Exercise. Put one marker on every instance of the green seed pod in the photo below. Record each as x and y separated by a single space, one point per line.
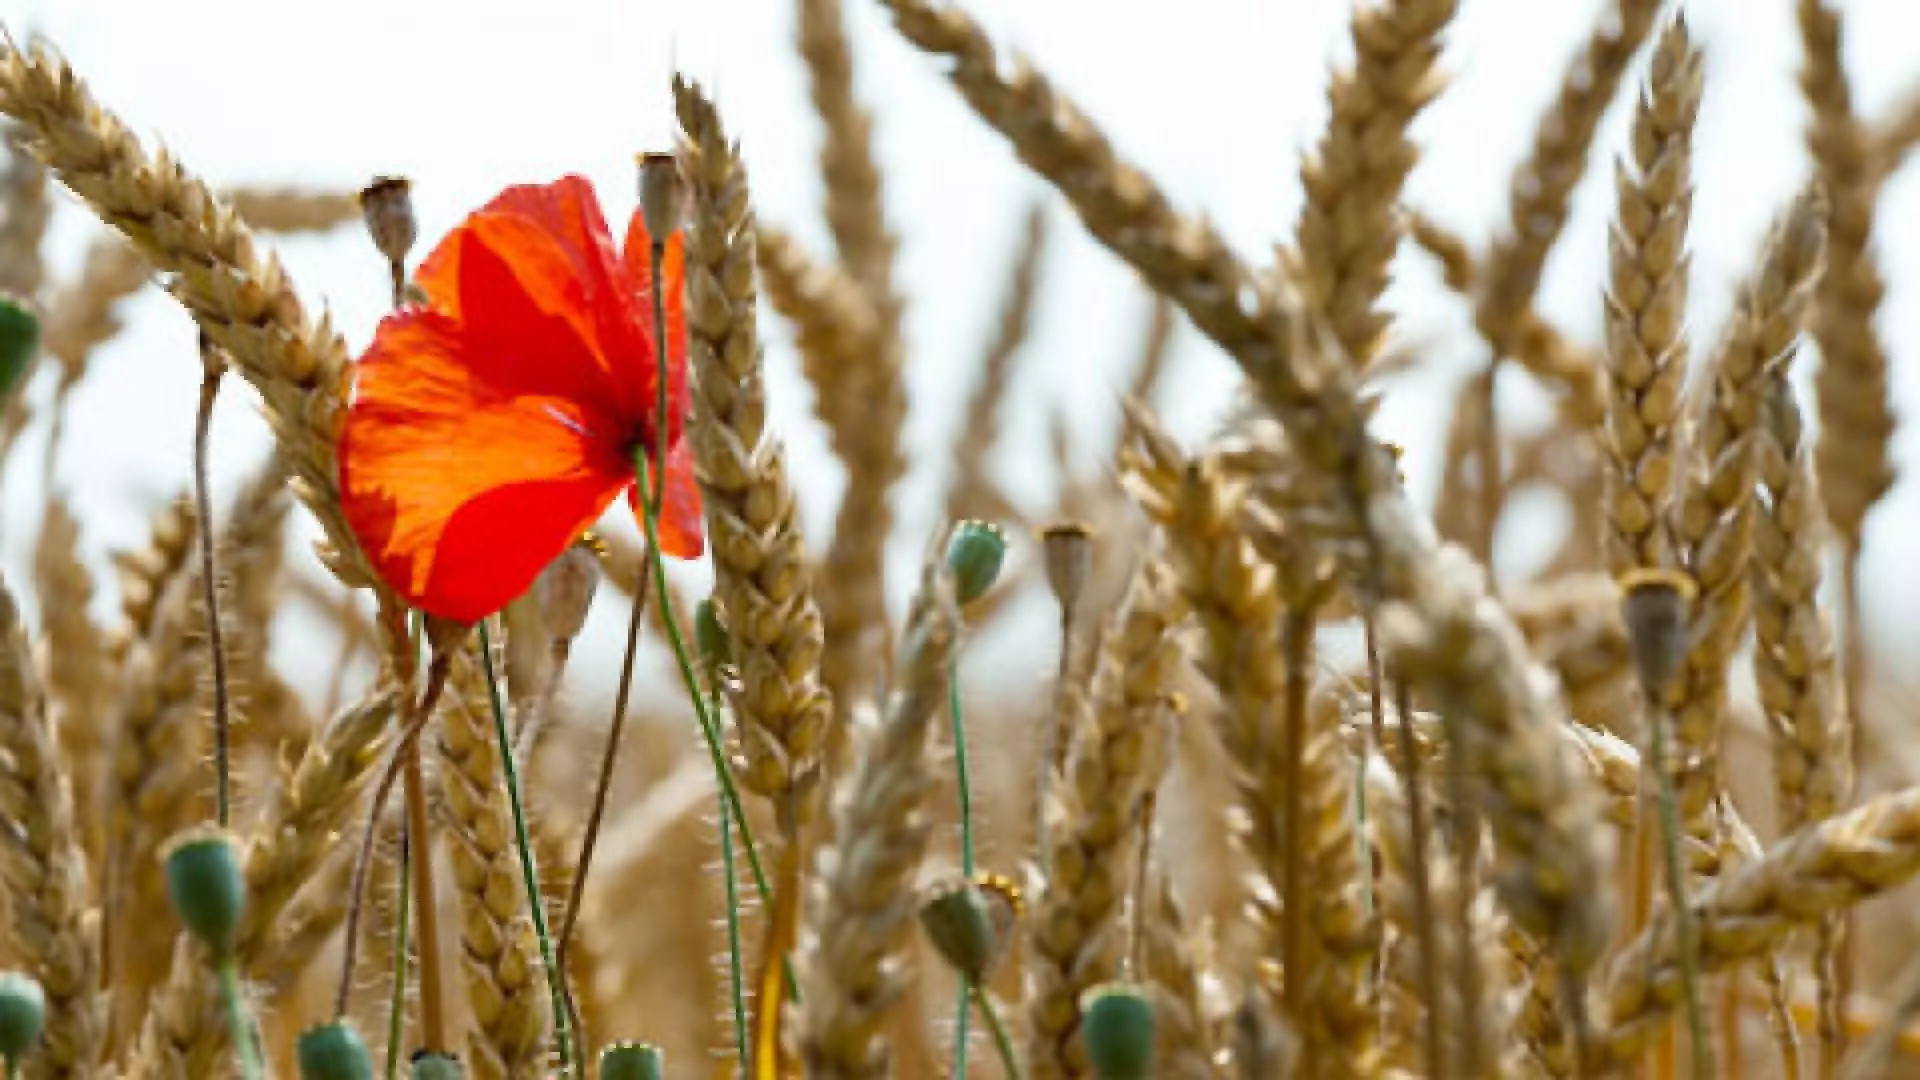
631 1061
206 886
958 922
23 1012
431 1066
1117 1026
974 555
716 648
334 1051
19 342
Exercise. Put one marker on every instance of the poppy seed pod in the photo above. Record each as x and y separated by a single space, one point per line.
23 1012
334 1051
387 206
206 887
427 1065
1068 548
19 341
1653 604
956 920
974 555
1117 1026
631 1061
663 196
565 590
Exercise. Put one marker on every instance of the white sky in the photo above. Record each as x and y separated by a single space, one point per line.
1217 101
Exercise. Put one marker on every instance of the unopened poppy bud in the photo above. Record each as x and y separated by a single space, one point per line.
631 1061
565 590
710 637
334 1051
23 1012
19 341
662 195
974 555
1069 555
387 205
1117 1026
206 887
428 1065
1653 604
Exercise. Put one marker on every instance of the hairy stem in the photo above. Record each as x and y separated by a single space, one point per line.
210 589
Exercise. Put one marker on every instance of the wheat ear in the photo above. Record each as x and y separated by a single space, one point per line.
761 575
1541 192
1646 305
1714 522
246 304
1237 598
50 924
498 956
77 664
860 914
1823 870
1350 226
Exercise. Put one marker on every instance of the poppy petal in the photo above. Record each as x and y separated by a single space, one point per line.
459 490
681 535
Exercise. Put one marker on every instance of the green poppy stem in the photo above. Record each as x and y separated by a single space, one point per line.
530 874
965 1013
238 1023
1009 1061
736 981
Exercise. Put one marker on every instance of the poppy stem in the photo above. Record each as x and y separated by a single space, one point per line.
397 1004
214 367
965 1011
736 984
536 903
657 258
589 838
409 739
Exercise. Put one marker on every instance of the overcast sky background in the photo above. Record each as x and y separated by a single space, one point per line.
1217 99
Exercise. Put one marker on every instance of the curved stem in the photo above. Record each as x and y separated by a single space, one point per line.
530 875
210 594
397 1004
356 901
577 891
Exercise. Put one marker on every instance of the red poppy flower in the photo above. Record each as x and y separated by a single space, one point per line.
492 425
